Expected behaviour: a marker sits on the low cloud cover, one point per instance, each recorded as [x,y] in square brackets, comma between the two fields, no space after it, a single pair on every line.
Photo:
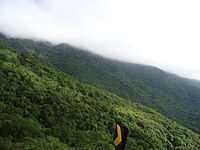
[161,33]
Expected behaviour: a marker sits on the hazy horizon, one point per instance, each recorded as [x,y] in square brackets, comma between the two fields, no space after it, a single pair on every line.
[164,34]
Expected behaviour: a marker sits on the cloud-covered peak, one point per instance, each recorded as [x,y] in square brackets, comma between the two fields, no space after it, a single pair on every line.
[160,33]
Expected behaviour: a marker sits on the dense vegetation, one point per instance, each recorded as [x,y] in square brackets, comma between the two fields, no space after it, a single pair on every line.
[43,108]
[174,97]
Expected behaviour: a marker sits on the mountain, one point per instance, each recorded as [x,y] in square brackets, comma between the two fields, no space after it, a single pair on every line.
[44,108]
[175,97]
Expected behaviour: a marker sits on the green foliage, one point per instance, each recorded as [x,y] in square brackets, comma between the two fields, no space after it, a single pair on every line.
[174,97]
[43,108]
[48,142]
[28,143]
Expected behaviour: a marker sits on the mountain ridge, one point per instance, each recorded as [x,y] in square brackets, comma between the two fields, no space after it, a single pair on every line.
[44,108]
[175,97]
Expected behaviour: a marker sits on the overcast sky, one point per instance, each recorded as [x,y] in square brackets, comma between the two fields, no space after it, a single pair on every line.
[162,33]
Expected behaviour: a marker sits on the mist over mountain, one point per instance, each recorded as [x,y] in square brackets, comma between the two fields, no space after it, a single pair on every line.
[71,69]
[164,34]
[44,108]
[175,97]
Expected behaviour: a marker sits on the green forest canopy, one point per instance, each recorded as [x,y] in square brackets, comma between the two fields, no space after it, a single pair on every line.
[43,108]
[176,98]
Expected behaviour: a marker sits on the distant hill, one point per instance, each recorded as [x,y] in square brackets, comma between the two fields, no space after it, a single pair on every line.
[44,108]
[175,97]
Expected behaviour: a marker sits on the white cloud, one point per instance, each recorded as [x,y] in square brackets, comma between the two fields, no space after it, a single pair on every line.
[162,33]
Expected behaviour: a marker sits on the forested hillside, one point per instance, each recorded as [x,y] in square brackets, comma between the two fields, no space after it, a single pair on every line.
[43,108]
[175,97]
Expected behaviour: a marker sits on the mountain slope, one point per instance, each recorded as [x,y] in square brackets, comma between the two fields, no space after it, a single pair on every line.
[43,108]
[174,97]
